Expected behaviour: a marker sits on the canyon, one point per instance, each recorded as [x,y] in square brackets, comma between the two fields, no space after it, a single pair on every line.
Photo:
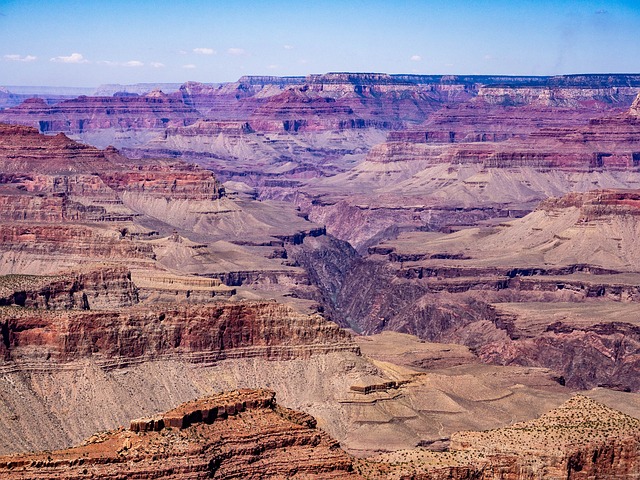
[437,275]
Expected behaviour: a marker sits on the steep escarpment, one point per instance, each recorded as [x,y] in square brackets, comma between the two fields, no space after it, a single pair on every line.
[154,110]
[245,433]
[104,287]
[63,203]
[475,161]
[241,434]
[200,333]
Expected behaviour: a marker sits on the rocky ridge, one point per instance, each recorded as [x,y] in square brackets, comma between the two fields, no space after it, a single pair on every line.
[242,434]
[246,434]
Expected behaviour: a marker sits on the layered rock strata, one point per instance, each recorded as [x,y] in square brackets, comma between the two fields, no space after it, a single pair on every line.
[106,287]
[242,434]
[199,333]
[159,216]
[578,252]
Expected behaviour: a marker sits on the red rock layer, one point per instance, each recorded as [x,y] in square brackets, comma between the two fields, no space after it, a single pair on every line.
[24,151]
[199,333]
[106,287]
[248,437]
[83,242]
[582,439]
[609,143]
[597,203]
[152,111]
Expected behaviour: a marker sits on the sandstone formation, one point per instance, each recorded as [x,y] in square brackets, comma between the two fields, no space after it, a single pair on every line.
[154,216]
[205,333]
[151,111]
[422,182]
[124,275]
[245,434]
[241,434]
[105,287]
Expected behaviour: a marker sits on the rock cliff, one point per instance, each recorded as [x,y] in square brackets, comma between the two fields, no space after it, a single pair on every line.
[105,287]
[154,110]
[202,333]
[245,434]
[241,434]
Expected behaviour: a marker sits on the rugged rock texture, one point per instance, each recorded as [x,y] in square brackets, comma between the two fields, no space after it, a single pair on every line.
[446,138]
[580,439]
[154,110]
[204,333]
[106,287]
[241,434]
[469,287]
[152,215]
[244,434]
[476,161]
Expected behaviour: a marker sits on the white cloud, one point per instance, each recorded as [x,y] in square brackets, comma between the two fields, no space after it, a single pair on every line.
[272,67]
[157,65]
[189,66]
[488,57]
[73,58]
[204,51]
[19,58]
[288,47]
[130,63]
[415,58]
[236,52]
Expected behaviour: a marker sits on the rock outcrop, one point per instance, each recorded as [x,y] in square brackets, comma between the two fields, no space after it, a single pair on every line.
[199,333]
[483,286]
[245,434]
[105,287]
[154,110]
[123,211]
[241,434]
[580,439]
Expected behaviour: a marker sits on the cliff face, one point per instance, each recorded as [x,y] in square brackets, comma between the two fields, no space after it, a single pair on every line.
[63,203]
[589,440]
[242,434]
[106,287]
[203,333]
[246,434]
[472,162]
[151,111]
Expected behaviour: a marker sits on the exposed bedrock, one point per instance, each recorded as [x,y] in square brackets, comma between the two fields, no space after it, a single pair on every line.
[482,286]
[240,434]
[199,333]
[106,287]
[154,110]
[603,354]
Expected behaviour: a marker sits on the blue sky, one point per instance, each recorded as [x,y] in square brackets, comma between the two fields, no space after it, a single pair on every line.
[88,43]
